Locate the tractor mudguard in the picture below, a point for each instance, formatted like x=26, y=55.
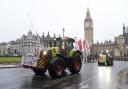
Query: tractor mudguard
x=73, y=52
x=55, y=50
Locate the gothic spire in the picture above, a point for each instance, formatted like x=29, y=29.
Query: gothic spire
x=88, y=15
x=43, y=34
x=30, y=33
x=54, y=35
x=88, y=12
x=123, y=28
x=48, y=34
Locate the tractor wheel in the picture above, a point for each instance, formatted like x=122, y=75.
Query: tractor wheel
x=41, y=68
x=56, y=67
x=99, y=63
x=109, y=62
x=39, y=71
x=112, y=63
x=75, y=64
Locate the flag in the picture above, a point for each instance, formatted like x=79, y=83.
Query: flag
x=80, y=45
x=38, y=50
x=87, y=45
x=83, y=45
x=76, y=44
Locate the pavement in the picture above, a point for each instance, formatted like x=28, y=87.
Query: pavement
x=10, y=66
x=122, y=80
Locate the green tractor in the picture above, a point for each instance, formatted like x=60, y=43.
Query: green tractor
x=60, y=56
x=105, y=58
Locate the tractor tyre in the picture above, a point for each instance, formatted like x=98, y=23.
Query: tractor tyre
x=39, y=71
x=99, y=63
x=112, y=63
x=75, y=64
x=56, y=67
x=41, y=68
x=109, y=63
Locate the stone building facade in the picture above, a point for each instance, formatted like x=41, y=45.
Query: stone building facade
x=88, y=33
x=107, y=45
x=121, y=44
x=4, y=48
x=88, y=28
x=119, y=47
x=14, y=48
x=29, y=44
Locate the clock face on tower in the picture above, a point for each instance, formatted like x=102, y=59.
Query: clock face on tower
x=91, y=24
x=87, y=24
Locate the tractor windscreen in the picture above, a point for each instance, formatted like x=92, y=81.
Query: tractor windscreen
x=58, y=42
x=69, y=44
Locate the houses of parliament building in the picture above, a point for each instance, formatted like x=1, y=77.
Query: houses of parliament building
x=119, y=47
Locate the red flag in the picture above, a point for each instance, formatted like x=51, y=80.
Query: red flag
x=86, y=45
x=80, y=45
x=76, y=44
x=83, y=45
x=38, y=50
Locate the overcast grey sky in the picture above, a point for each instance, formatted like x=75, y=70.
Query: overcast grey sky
x=52, y=15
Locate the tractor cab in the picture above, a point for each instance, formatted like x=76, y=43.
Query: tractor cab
x=65, y=44
x=65, y=41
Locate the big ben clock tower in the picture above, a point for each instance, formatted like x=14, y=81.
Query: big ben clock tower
x=88, y=28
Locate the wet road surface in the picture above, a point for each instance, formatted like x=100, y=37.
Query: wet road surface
x=91, y=76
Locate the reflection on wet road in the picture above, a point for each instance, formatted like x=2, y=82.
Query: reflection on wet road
x=91, y=76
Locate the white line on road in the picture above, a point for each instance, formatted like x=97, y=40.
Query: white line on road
x=84, y=87
x=115, y=84
x=83, y=83
x=59, y=80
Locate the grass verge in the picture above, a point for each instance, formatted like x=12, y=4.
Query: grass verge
x=10, y=60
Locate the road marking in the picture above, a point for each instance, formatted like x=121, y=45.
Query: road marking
x=115, y=85
x=59, y=80
x=83, y=83
x=84, y=86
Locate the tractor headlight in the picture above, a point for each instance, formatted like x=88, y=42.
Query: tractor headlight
x=63, y=47
x=107, y=51
x=109, y=55
x=100, y=55
x=44, y=53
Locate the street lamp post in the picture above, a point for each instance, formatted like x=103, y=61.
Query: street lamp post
x=63, y=31
x=124, y=52
x=92, y=50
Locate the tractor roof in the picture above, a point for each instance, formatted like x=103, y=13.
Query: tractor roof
x=66, y=38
